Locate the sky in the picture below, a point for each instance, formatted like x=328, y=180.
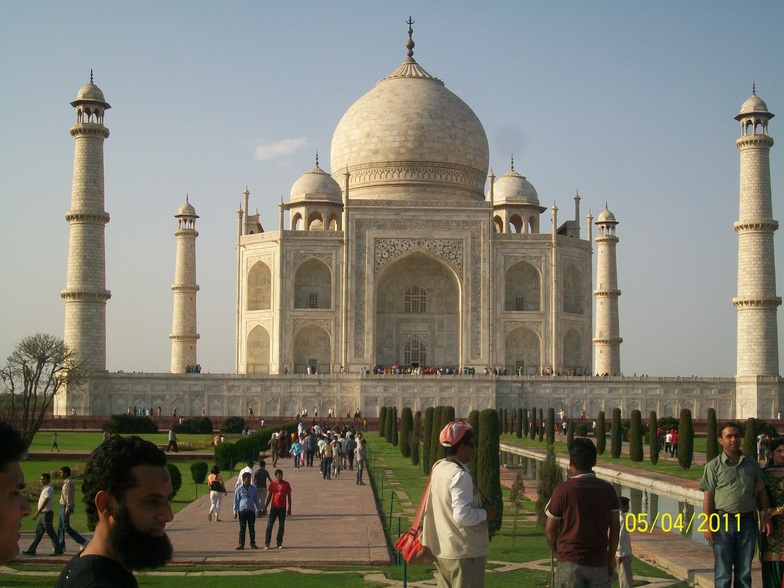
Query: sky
x=631, y=103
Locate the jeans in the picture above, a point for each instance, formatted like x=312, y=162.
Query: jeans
x=733, y=547
x=572, y=575
x=280, y=514
x=45, y=525
x=360, y=469
x=63, y=527
x=247, y=517
x=310, y=454
x=326, y=468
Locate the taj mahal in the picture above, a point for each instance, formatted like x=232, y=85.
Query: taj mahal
x=411, y=275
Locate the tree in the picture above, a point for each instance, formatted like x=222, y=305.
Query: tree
x=540, y=432
x=416, y=437
x=517, y=498
x=711, y=437
x=635, y=437
x=653, y=428
x=601, y=434
x=473, y=420
x=685, y=439
x=522, y=421
x=394, y=435
x=570, y=433
x=749, y=440
x=488, y=476
x=436, y=451
x=198, y=473
x=406, y=424
x=382, y=420
x=39, y=367
x=549, y=476
x=550, y=434
x=532, y=424
x=427, y=435
x=176, y=479
x=616, y=443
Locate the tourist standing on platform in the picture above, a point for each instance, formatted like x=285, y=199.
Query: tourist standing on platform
x=733, y=488
x=13, y=505
x=583, y=522
x=217, y=492
x=455, y=517
x=624, y=552
x=45, y=523
x=360, y=456
x=773, y=546
x=279, y=497
x=260, y=479
x=246, y=505
x=67, y=505
x=126, y=494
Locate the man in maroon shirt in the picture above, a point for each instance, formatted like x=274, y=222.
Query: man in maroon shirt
x=582, y=522
x=279, y=494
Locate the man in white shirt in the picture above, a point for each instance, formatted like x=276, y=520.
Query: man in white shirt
x=248, y=468
x=624, y=551
x=45, y=507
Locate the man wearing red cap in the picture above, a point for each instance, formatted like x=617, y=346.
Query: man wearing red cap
x=454, y=525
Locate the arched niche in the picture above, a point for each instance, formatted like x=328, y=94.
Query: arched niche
x=573, y=290
x=259, y=295
x=312, y=348
x=523, y=351
x=257, y=351
x=313, y=285
x=522, y=288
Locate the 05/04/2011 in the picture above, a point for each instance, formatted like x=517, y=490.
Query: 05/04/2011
x=640, y=523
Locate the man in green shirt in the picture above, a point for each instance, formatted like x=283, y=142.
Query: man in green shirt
x=733, y=490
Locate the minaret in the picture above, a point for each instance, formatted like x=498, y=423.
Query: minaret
x=184, y=335
x=757, y=303
x=85, y=292
x=607, y=343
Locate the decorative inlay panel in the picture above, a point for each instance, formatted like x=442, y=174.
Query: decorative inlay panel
x=450, y=250
x=299, y=257
x=325, y=324
x=535, y=260
x=535, y=326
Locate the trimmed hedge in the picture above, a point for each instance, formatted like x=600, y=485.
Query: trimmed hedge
x=406, y=425
x=488, y=476
x=129, y=424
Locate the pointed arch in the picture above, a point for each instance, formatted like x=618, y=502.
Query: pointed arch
x=498, y=223
x=259, y=294
x=523, y=351
x=313, y=285
x=315, y=221
x=312, y=348
x=573, y=352
x=334, y=223
x=297, y=222
x=516, y=222
x=257, y=351
x=522, y=288
x=573, y=290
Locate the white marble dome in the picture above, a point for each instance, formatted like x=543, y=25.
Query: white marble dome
x=316, y=186
x=753, y=104
x=512, y=188
x=411, y=138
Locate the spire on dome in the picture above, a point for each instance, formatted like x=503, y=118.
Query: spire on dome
x=512, y=162
x=753, y=88
x=410, y=43
x=317, y=158
x=410, y=68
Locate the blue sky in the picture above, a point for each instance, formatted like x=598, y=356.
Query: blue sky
x=631, y=103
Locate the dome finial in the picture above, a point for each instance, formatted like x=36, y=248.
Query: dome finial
x=753, y=88
x=186, y=198
x=410, y=43
x=91, y=75
x=316, y=157
x=512, y=161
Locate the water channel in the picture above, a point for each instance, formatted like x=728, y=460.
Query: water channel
x=679, y=516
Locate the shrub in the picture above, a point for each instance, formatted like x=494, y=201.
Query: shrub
x=711, y=436
x=197, y=426
x=549, y=476
x=406, y=424
x=570, y=433
x=635, y=437
x=382, y=421
x=749, y=439
x=550, y=435
x=653, y=426
x=488, y=478
x=436, y=451
x=601, y=434
x=130, y=424
x=393, y=427
x=616, y=443
x=427, y=437
x=540, y=432
x=176, y=479
x=388, y=424
x=224, y=456
x=199, y=473
x=233, y=425
x=522, y=421
x=685, y=439
x=473, y=420
x=416, y=436
x=581, y=430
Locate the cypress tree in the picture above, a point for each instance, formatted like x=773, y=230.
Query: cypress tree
x=388, y=425
x=382, y=421
x=601, y=434
x=540, y=432
x=436, y=451
x=406, y=424
x=416, y=436
x=635, y=437
x=685, y=439
x=427, y=436
x=521, y=418
x=616, y=443
x=473, y=420
x=489, y=464
x=394, y=426
x=550, y=435
x=653, y=426
x=532, y=424
x=749, y=440
x=447, y=416
x=570, y=433
x=548, y=476
x=711, y=436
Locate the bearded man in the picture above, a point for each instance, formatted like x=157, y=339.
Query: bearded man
x=126, y=492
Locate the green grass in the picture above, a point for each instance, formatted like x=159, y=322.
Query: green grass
x=83, y=441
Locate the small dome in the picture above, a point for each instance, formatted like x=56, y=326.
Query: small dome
x=90, y=93
x=753, y=105
x=512, y=188
x=316, y=186
x=606, y=217
x=186, y=210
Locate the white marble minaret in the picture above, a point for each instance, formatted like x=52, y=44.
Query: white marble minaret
x=607, y=343
x=756, y=302
x=184, y=335
x=85, y=292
